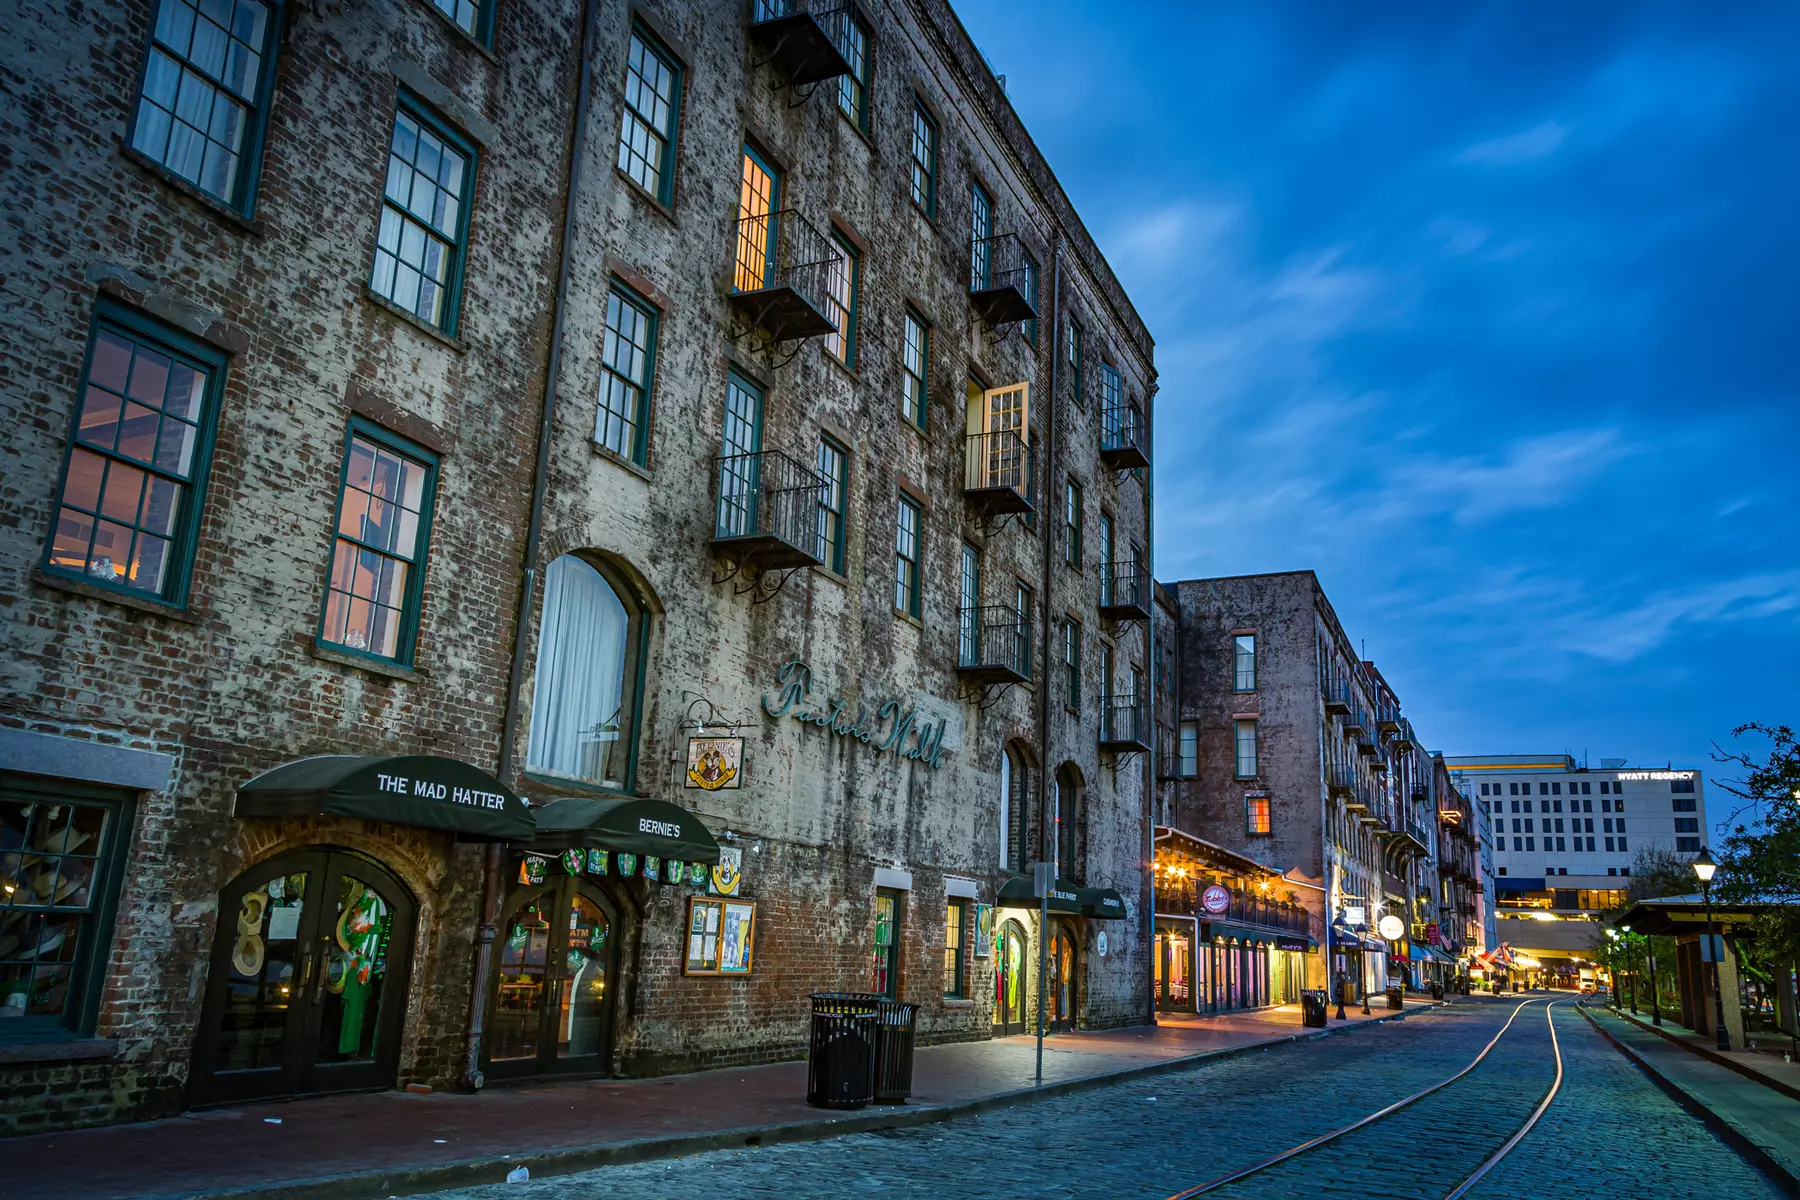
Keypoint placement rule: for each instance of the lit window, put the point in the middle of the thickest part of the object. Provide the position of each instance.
(1256, 814)
(924, 161)
(626, 363)
(647, 126)
(584, 700)
(915, 367)
(419, 247)
(906, 556)
(955, 963)
(378, 555)
(203, 108)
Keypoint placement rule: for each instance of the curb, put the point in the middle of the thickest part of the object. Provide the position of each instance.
(489, 1169)
(1713, 1056)
(1728, 1133)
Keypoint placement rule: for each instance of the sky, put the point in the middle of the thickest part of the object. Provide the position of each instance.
(1486, 313)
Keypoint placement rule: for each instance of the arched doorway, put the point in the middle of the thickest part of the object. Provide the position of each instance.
(554, 994)
(1010, 974)
(1064, 971)
(307, 984)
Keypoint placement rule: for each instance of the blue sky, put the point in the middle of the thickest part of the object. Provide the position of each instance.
(1489, 314)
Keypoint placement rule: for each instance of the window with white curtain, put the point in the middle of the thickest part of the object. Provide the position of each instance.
(583, 709)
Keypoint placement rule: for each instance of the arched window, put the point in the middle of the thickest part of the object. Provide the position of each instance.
(584, 705)
(1006, 808)
(1016, 847)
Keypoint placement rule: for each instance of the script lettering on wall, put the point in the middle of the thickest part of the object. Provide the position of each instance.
(887, 728)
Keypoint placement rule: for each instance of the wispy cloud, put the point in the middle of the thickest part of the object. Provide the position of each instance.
(1516, 148)
(1638, 631)
(1531, 473)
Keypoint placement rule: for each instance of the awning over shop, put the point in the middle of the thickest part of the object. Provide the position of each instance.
(634, 825)
(1419, 954)
(1067, 899)
(1242, 933)
(412, 789)
(1103, 904)
(1437, 953)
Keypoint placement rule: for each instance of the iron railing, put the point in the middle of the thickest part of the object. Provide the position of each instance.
(769, 497)
(999, 466)
(1123, 721)
(1179, 897)
(808, 40)
(1002, 286)
(1340, 779)
(1122, 435)
(994, 639)
(1125, 588)
(783, 268)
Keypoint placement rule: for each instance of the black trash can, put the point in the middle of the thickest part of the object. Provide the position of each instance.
(1312, 1009)
(1437, 991)
(1396, 996)
(896, 1024)
(840, 1065)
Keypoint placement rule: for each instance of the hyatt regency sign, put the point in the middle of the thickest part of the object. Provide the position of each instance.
(887, 727)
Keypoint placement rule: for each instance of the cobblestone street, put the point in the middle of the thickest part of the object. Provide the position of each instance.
(1609, 1131)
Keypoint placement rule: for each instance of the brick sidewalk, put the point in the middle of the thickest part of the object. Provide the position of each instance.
(394, 1143)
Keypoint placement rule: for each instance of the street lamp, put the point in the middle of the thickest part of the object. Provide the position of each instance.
(1704, 866)
(1631, 967)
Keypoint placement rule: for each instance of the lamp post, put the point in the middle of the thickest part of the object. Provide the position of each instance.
(1612, 965)
(1655, 1004)
(1704, 866)
(1631, 967)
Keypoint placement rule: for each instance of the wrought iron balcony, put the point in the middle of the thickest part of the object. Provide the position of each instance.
(1341, 780)
(994, 644)
(1387, 718)
(807, 40)
(1337, 698)
(1124, 725)
(781, 272)
(1355, 723)
(1000, 283)
(1125, 590)
(1378, 763)
(999, 472)
(768, 509)
(1403, 735)
(1123, 437)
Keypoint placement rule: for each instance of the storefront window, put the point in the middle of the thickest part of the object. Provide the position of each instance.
(583, 709)
(955, 962)
(887, 943)
(57, 868)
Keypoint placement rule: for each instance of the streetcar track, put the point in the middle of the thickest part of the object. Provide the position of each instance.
(1469, 1181)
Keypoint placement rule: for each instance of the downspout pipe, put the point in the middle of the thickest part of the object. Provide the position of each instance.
(1044, 768)
(1150, 765)
(487, 930)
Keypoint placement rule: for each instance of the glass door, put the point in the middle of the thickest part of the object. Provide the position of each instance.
(551, 1010)
(759, 196)
(1062, 981)
(307, 983)
(1009, 979)
(740, 464)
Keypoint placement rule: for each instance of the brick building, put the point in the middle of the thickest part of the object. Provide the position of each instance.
(441, 429)
(1290, 751)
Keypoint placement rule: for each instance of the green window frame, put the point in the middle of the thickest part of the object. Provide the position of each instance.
(1106, 557)
(924, 160)
(473, 17)
(650, 117)
(1072, 346)
(857, 47)
(1024, 609)
(956, 962)
(380, 543)
(201, 112)
(1072, 665)
(62, 855)
(137, 459)
(1243, 652)
(968, 607)
(890, 911)
(843, 287)
(981, 235)
(909, 538)
(1073, 521)
(915, 368)
(1112, 389)
(834, 469)
(422, 239)
(1030, 267)
(1244, 749)
(627, 374)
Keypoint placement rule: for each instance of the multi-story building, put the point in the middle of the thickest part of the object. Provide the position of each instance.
(1564, 838)
(1460, 878)
(710, 424)
(1291, 752)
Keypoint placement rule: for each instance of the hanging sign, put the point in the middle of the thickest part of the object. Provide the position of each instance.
(1391, 927)
(984, 930)
(889, 727)
(727, 874)
(1433, 935)
(1353, 915)
(1215, 899)
(715, 764)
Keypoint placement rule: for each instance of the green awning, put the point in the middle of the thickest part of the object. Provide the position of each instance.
(632, 825)
(1066, 899)
(409, 789)
(1103, 904)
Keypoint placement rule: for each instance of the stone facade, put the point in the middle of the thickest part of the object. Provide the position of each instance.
(233, 678)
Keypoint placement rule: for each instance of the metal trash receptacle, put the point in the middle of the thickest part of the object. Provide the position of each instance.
(1437, 991)
(840, 1063)
(1396, 996)
(1312, 1009)
(896, 1027)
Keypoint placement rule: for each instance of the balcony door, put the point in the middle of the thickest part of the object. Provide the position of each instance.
(1005, 425)
(759, 198)
(969, 649)
(740, 468)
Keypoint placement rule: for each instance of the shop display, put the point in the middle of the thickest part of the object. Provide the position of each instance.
(720, 937)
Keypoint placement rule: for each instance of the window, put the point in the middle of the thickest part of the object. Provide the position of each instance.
(956, 984)
(1606, 806)
(1686, 845)
(1189, 741)
(981, 235)
(1006, 803)
(1587, 806)
(1543, 806)
(1112, 392)
(1556, 805)
(915, 368)
(1515, 805)
(1561, 845)
(924, 161)
(647, 124)
(421, 243)
(1029, 284)
(759, 200)
(1519, 844)
(1246, 749)
(843, 282)
(203, 103)
(627, 362)
(1618, 806)
(584, 703)
(969, 603)
(1559, 825)
(1682, 785)
(1587, 789)
(1687, 825)
(470, 16)
(1073, 341)
(853, 87)
(128, 510)
(379, 551)
(1528, 825)
(1624, 848)
(1531, 844)
(906, 556)
(1072, 523)
(61, 855)
(887, 943)
(1606, 824)
(1609, 845)
(1256, 815)
(1106, 558)
(1683, 804)
(1244, 653)
(834, 467)
(1556, 790)
(1024, 604)
(1515, 789)
(1072, 664)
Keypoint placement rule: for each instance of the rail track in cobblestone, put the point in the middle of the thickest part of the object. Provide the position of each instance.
(1509, 1091)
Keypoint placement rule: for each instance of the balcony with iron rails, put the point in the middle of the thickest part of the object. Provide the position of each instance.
(1403, 735)
(1379, 762)
(1000, 280)
(807, 40)
(1337, 698)
(1000, 472)
(1123, 437)
(1341, 780)
(767, 514)
(1356, 722)
(782, 267)
(1363, 734)
(1387, 717)
(1124, 724)
(1179, 896)
(1125, 590)
(993, 645)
